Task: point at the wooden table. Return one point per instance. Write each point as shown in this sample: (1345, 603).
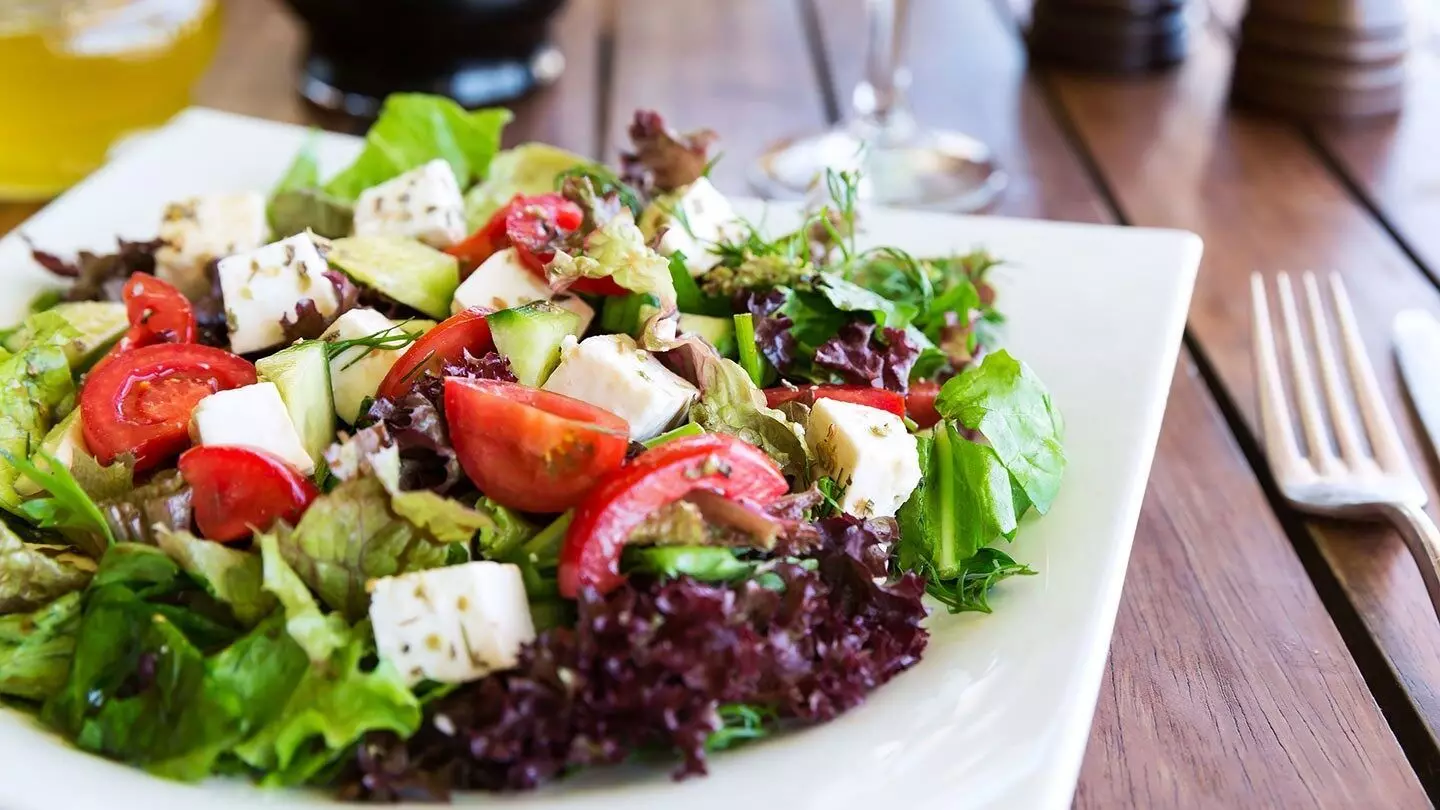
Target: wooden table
(1259, 659)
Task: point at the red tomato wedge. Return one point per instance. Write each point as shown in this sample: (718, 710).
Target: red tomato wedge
(464, 331)
(533, 224)
(481, 245)
(529, 449)
(920, 403)
(240, 490)
(881, 398)
(714, 462)
(140, 401)
(158, 312)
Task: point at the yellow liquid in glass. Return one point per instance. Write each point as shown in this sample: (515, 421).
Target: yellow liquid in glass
(75, 75)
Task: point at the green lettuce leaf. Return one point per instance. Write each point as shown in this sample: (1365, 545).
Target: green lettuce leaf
(963, 503)
(530, 168)
(297, 202)
(33, 574)
(352, 535)
(1004, 400)
(509, 531)
(414, 129)
(230, 575)
(850, 297)
(35, 390)
(102, 482)
(35, 648)
(617, 250)
(731, 403)
(66, 508)
(318, 634)
(330, 709)
(705, 563)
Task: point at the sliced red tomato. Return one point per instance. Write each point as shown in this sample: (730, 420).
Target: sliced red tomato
(528, 449)
(241, 490)
(140, 401)
(881, 398)
(714, 462)
(534, 224)
(920, 403)
(158, 313)
(464, 331)
(481, 245)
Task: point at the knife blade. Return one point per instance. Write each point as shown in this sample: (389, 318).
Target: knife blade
(1417, 350)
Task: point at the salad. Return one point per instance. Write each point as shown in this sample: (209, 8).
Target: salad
(469, 468)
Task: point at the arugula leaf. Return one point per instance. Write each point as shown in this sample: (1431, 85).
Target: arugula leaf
(35, 648)
(963, 503)
(1004, 400)
(414, 129)
(35, 387)
(230, 575)
(68, 509)
(970, 589)
(32, 574)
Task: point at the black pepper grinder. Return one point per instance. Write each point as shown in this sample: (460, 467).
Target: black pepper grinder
(1113, 36)
(1322, 59)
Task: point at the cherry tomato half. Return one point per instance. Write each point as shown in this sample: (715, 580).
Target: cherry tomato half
(920, 403)
(466, 330)
(240, 490)
(140, 401)
(158, 312)
(481, 245)
(714, 462)
(531, 450)
(881, 398)
(534, 224)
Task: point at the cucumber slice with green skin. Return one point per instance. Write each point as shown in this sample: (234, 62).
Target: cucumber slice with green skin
(61, 444)
(720, 332)
(302, 373)
(529, 337)
(84, 329)
(404, 269)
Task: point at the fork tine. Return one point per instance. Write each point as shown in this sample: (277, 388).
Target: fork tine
(1384, 436)
(1342, 415)
(1311, 419)
(1277, 432)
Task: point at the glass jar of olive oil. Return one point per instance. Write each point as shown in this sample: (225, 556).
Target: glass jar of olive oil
(75, 75)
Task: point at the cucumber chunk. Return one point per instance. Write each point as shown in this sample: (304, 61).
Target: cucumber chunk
(302, 374)
(529, 337)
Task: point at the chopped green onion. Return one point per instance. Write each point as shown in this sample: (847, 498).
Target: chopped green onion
(750, 359)
(687, 429)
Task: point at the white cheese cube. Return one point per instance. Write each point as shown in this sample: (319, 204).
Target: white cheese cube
(451, 624)
(357, 372)
(201, 229)
(423, 203)
(612, 372)
(868, 452)
(695, 222)
(264, 285)
(503, 281)
(252, 416)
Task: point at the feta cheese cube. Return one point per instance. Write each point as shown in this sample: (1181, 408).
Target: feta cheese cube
(451, 624)
(503, 281)
(357, 372)
(695, 222)
(252, 416)
(201, 229)
(612, 372)
(423, 203)
(264, 285)
(868, 452)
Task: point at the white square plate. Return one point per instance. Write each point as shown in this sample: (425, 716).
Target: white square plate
(998, 712)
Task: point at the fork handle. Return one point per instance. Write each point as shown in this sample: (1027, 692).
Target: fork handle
(1423, 538)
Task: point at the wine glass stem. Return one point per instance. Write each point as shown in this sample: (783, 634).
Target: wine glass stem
(879, 98)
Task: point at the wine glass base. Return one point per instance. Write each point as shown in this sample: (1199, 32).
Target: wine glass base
(926, 169)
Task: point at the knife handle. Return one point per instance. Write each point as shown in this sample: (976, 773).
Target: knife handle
(1423, 538)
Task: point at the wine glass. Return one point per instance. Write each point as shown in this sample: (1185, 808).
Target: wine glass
(901, 162)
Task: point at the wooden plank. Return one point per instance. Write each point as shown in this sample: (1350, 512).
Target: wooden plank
(1213, 697)
(1228, 684)
(739, 67)
(1174, 155)
(1394, 162)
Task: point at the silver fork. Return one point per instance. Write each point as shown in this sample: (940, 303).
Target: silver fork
(1370, 477)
